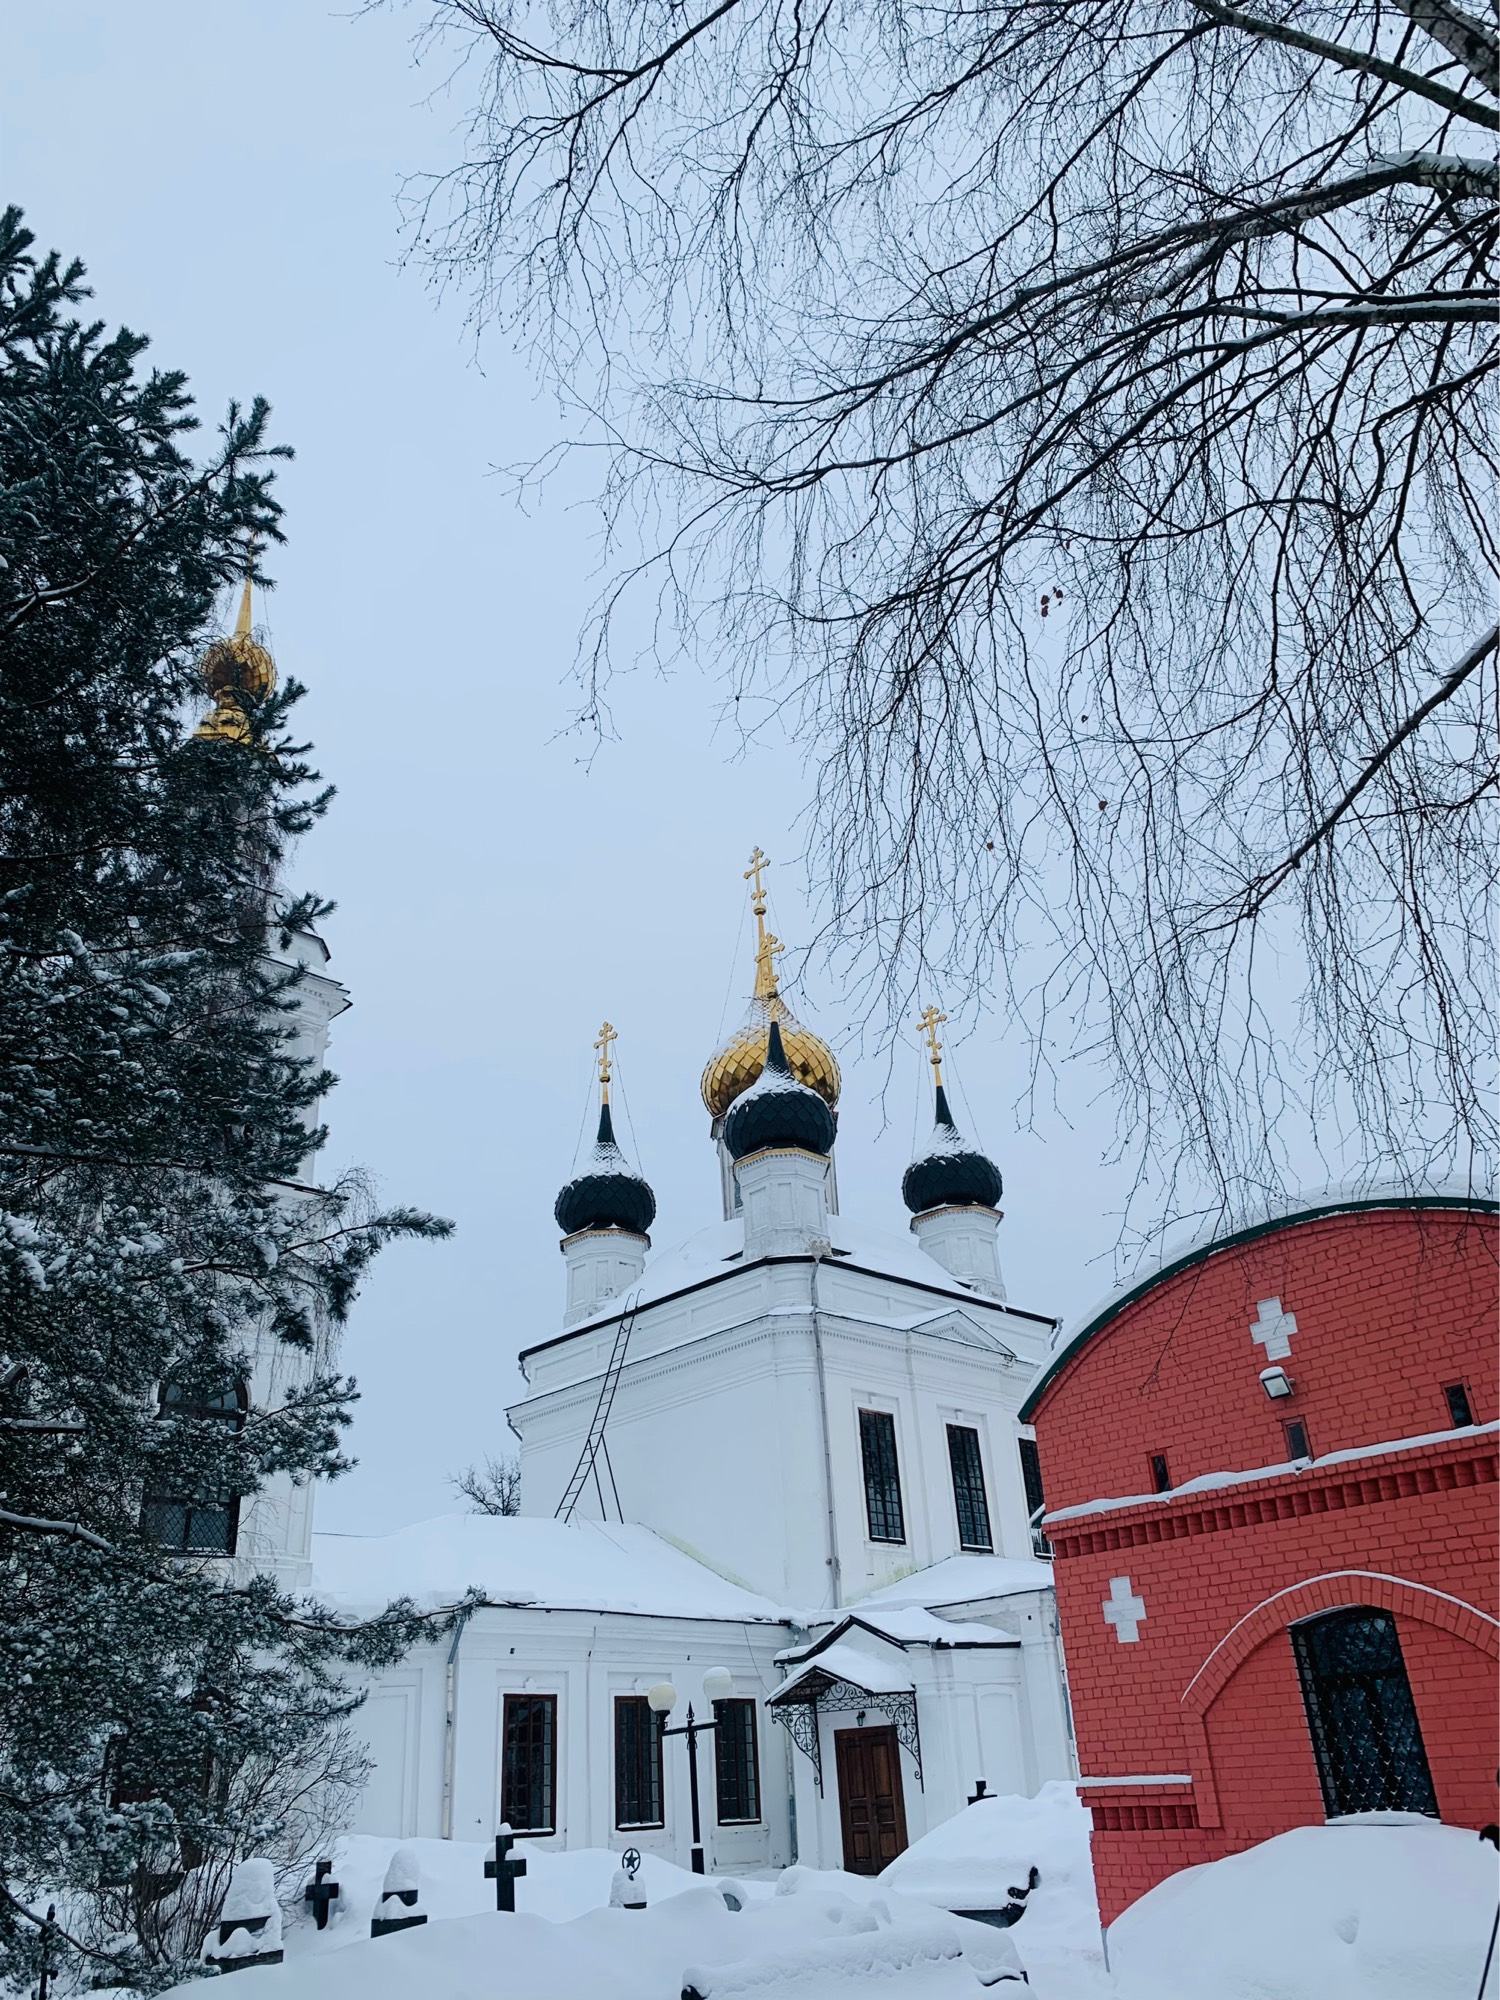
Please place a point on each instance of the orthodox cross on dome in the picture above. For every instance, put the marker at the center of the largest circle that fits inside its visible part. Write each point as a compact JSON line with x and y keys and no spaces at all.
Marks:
{"x":767,"y":945}
{"x":758,"y":864}
{"x":1124,"y":1610}
{"x":766,"y":954}
{"x":1272,"y":1329}
{"x":607,"y":1036}
{"x":931,"y":1020}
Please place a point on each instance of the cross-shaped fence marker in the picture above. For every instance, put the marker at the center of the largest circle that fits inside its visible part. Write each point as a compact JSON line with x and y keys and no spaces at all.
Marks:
{"x":503,"y":1870}
{"x":1124,"y":1610}
{"x":321,"y":1893}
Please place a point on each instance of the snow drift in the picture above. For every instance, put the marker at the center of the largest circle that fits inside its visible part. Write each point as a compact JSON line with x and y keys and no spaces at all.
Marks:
{"x":1381,"y":1906}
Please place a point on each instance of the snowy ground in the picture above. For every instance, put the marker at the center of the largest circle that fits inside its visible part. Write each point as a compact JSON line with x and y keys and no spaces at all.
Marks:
{"x":1388,"y":1907}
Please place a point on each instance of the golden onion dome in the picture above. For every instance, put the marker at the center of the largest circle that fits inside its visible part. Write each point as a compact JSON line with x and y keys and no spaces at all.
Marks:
{"x":233,"y":670}
{"x":734,"y":1067}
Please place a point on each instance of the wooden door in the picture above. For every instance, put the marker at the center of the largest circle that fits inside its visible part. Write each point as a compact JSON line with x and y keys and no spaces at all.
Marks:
{"x":871,"y":1808}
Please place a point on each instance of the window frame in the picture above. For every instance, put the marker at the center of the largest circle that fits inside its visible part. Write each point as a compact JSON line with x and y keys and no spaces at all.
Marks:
{"x":1161,"y":1472}
{"x":882,"y":1423}
{"x":1298,"y":1424}
{"x":654,"y":1724}
{"x":547,"y":1705}
{"x":214,"y":1409}
{"x":749,"y":1741}
{"x":1452,"y":1389}
{"x":979,"y":1492}
{"x":1029,"y":1457}
{"x":1379,"y":1763}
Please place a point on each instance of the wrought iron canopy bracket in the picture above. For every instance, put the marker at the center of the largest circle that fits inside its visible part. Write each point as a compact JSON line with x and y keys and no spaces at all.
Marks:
{"x":798,"y":1711}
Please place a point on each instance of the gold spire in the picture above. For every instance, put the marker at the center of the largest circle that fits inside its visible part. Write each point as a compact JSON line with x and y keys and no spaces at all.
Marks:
{"x":607,"y":1035}
{"x":739,"y":1062}
{"x":929,"y":1024}
{"x":234,"y":670}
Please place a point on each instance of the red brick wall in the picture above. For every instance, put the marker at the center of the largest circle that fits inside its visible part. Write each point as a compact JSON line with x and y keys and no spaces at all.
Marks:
{"x":1389,"y":1307}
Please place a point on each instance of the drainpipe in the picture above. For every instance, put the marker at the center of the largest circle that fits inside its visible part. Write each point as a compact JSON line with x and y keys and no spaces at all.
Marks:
{"x":835,"y":1568}
{"x":450,"y":1718}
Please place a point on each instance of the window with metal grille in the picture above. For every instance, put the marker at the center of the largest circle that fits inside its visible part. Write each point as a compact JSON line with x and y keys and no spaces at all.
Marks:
{"x":738,"y":1766}
{"x":1460,"y":1410}
{"x":877,"y":1444}
{"x":528,"y":1768}
{"x":204,"y":1523}
{"x":637,"y":1762}
{"x":1036,"y":1499}
{"x":968,"y":1488}
{"x":1161,"y":1478}
{"x":1363,"y":1721}
{"x":1297,"y":1445}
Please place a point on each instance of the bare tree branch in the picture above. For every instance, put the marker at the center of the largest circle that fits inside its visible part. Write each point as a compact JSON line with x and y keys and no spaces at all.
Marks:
{"x":1355,"y":59}
{"x":1472,"y":42}
{"x":1262,"y":890}
{"x":1074,"y":421}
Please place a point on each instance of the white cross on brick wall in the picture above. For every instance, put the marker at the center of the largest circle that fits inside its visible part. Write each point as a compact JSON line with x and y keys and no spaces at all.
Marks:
{"x":1273,"y":1329}
{"x":1124,"y":1610}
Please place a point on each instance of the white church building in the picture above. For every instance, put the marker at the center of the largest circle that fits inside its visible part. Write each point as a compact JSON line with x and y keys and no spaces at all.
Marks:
{"x":774,"y":1473}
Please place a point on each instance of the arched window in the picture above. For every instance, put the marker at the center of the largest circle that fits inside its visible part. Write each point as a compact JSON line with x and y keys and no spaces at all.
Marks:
{"x":1365,"y":1733}
{"x":204,"y":1523}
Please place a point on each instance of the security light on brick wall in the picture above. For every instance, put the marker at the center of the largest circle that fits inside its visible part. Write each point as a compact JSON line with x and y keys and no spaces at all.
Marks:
{"x":1276,"y":1383}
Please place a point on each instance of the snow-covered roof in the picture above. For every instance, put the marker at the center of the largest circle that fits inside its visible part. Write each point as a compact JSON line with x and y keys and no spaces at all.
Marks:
{"x":518,"y":1560}
{"x":958,"y":1580}
{"x":1224,"y":1233}
{"x":843,"y":1662}
{"x":716,"y":1252}
{"x":910,"y":1625}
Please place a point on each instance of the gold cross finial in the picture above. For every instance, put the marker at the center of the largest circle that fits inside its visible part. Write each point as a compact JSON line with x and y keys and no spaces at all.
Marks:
{"x":766,"y":954}
{"x":929,"y":1024}
{"x":606,"y":1036}
{"x":758,"y":864}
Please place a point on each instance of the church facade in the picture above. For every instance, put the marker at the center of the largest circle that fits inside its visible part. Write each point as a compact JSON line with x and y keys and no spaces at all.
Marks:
{"x":776,"y":1473}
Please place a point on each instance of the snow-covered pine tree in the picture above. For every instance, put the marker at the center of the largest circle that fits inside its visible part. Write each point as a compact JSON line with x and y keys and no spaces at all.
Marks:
{"x":157,"y":1221}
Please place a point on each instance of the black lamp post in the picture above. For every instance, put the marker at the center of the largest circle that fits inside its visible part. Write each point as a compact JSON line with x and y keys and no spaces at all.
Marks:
{"x":717,"y":1683}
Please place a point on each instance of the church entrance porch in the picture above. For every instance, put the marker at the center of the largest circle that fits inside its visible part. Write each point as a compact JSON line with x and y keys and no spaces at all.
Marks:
{"x":872,"y":1811}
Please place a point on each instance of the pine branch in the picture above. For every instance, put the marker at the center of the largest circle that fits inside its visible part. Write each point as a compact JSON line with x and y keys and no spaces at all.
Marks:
{"x":29,"y":1524}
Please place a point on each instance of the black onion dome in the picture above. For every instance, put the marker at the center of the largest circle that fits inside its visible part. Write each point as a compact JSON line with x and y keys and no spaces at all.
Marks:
{"x":777,"y":1110}
{"x":950,"y":1174}
{"x":609,"y":1195}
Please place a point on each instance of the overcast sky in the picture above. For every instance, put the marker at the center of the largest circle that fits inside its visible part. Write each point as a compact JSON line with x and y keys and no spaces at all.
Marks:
{"x":229,"y":172}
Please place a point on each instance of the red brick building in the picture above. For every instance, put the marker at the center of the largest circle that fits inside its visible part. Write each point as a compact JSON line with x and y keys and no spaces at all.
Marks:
{"x":1270,"y":1473}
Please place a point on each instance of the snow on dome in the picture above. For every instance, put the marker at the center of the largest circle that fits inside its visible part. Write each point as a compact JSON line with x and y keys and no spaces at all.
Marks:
{"x":777,"y":1110}
{"x":732,"y":1069}
{"x":950,"y":1173}
{"x":610,"y":1194}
